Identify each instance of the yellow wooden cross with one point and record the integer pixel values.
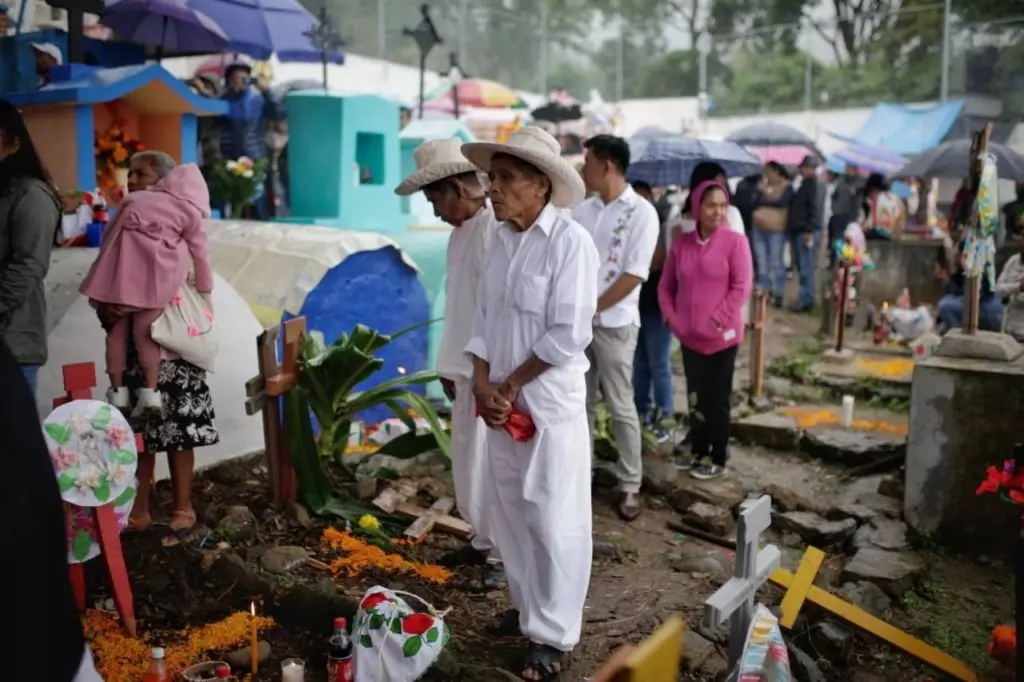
(656, 659)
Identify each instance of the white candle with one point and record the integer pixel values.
(293, 670)
(847, 416)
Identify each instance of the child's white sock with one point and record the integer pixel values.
(149, 400)
(118, 397)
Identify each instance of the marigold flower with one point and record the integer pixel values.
(369, 522)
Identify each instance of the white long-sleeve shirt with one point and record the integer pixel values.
(467, 249)
(625, 232)
(538, 295)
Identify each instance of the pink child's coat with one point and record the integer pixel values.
(704, 287)
(146, 252)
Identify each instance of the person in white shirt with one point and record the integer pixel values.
(533, 324)
(453, 187)
(625, 229)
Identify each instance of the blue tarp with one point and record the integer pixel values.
(907, 130)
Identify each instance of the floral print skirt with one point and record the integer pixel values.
(188, 407)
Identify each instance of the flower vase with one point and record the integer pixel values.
(121, 178)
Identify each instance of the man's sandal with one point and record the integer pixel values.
(543, 663)
(182, 524)
(507, 625)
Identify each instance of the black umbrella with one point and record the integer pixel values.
(556, 112)
(953, 160)
(772, 134)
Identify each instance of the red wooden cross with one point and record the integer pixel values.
(79, 380)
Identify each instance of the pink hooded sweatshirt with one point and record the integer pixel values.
(704, 285)
(146, 252)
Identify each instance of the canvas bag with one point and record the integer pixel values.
(186, 328)
(765, 658)
(393, 643)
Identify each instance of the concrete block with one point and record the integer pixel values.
(982, 345)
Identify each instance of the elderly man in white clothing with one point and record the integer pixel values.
(625, 229)
(453, 187)
(533, 325)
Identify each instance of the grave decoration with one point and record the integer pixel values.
(392, 641)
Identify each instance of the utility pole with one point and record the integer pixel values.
(382, 33)
(543, 47)
(947, 18)
(808, 81)
(463, 29)
(620, 48)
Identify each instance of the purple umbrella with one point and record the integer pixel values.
(260, 28)
(168, 25)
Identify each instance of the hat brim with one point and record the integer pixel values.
(425, 176)
(566, 184)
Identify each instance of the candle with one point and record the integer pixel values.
(293, 670)
(255, 641)
(847, 411)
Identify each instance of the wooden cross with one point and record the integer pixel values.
(842, 302)
(262, 395)
(758, 320)
(972, 288)
(76, 10)
(734, 601)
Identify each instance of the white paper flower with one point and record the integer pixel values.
(247, 174)
(88, 476)
(79, 425)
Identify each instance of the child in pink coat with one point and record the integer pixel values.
(144, 259)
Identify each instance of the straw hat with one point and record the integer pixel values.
(539, 148)
(435, 160)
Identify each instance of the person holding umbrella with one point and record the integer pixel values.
(243, 129)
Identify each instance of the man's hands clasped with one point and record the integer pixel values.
(495, 402)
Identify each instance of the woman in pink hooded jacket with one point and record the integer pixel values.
(706, 281)
(145, 258)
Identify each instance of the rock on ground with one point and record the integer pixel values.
(721, 492)
(882, 533)
(709, 518)
(866, 596)
(786, 498)
(893, 572)
(770, 430)
(814, 529)
(847, 446)
(696, 651)
(238, 523)
(660, 475)
(283, 559)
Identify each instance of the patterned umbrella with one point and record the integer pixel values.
(772, 134)
(670, 161)
(474, 92)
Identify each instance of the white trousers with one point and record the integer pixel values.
(469, 466)
(541, 522)
(87, 671)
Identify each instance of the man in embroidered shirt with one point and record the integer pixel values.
(451, 185)
(533, 324)
(625, 230)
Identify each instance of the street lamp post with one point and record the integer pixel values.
(426, 37)
(455, 76)
(325, 37)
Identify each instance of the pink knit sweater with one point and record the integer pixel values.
(148, 248)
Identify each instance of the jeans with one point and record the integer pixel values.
(709, 386)
(652, 368)
(31, 374)
(804, 259)
(990, 314)
(771, 270)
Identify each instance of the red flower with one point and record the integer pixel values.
(417, 624)
(991, 483)
(373, 600)
(1017, 496)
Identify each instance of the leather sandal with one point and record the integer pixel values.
(543, 663)
(180, 532)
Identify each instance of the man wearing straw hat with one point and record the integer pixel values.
(533, 324)
(452, 186)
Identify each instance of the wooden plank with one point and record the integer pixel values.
(802, 582)
(425, 523)
(389, 500)
(255, 385)
(865, 621)
(657, 657)
(279, 384)
(255, 404)
(266, 354)
(614, 669)
(445, 524)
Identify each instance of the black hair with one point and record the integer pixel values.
(642, 186)
(876, 181)
(702, 172)
(610, 148)
(469, 178)
(24, 162)
(778, 168)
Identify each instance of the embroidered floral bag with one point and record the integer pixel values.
(393, 643)
(186, 328)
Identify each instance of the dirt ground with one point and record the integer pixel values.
(634, 587)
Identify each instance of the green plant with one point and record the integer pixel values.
(237, 183)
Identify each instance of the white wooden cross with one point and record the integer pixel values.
(734, 601)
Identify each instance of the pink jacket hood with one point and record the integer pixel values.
(698, 196)
(188, 184)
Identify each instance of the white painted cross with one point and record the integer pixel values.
(734, 601)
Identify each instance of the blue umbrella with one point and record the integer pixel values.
(259, 28)
(670, 161)
(168, 25)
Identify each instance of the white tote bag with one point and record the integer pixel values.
(186, 327)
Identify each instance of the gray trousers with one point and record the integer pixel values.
(611, 365)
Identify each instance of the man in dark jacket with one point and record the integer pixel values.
(846, 199)
(37, 598)
(243, 129)
(804, 227)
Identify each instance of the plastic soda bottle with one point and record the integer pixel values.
(339, 653)
(158, 671)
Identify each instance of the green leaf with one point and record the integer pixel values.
(123, 457)
(376, 621)
(312, 481)
(125, 497)
(58, 432)
(102, 490)
(81, 545)
(101, 419)
(365, 641)
(447, 635)
(396, 626)
(401, 413)
(412, 646)
(66, 480)
(426, 410)
(432, 635)
(409, 445)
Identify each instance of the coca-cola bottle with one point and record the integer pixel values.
(339, 653)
